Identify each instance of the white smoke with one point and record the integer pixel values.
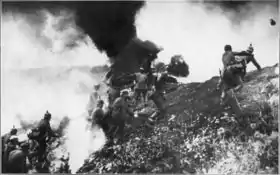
(39, 75)
(200, 35)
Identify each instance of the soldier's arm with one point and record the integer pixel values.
(254, 61)
(236, 53)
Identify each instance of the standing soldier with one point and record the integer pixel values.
(44, 130)
(141, 86)
(121, 112)
(97, 115)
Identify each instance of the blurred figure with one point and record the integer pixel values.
(17, 159)
(94, 96)
(230, 76)
(5, 144)
(245, 57)
(6, 137)
(158, 95)
(97, 115)
(121, 112)
(41, 133)
(141, 87)
(272, 22)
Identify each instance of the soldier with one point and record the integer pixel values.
(45, 131)
(17, 159)
(158, 95)
(141, 86)
(121, 112)
(11, 145)
(230, 76)
(7, 136)
(97, 115)
(246, 57)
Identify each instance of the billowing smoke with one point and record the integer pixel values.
(44, 45)
(199, 33)
(110, 25)
(39, 76)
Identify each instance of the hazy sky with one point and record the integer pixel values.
(200, 35)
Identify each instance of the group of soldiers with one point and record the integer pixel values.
(124, 102)
(122, 106)
(17, 157)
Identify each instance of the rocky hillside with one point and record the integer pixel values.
(200, 135)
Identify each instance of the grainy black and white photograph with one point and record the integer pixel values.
(186, 86)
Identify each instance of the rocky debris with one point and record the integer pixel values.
(200, 135)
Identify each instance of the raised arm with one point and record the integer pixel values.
(254, 61)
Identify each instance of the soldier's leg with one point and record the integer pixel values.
(223, 97)
(120, 131)
(239, 82)
(42, 150)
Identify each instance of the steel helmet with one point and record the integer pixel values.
(227, 47)
(47, 115)
(250, 48)
(13, 131)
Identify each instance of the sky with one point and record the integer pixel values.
(180, 28)
(200, 35)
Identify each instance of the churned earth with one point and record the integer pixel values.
(200, 135)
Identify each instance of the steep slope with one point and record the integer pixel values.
(203, 136)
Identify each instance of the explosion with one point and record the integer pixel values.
(37, 76)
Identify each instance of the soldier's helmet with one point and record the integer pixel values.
(227, 47)
(13, 131)
(47, 115)
(250, 49)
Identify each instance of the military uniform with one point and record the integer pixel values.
(141, 87)
(44, 130)
(245, 58)
(121, 112)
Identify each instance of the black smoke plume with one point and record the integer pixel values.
(109, 24)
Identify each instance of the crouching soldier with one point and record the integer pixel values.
(17, 159)
(11, 145)
(121, 112)
(158, 95)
